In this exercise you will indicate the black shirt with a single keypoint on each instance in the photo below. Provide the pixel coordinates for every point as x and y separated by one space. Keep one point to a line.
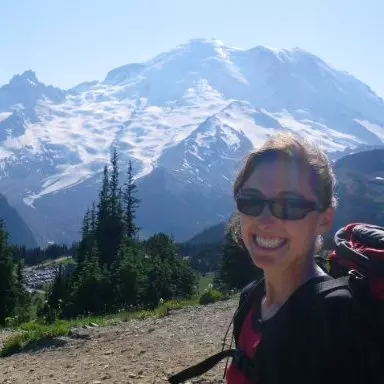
315 339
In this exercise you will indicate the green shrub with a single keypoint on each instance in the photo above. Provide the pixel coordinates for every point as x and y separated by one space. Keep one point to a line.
210 296
12 321
13 344
33 333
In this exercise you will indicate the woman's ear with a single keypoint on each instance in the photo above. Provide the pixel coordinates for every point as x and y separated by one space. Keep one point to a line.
325 220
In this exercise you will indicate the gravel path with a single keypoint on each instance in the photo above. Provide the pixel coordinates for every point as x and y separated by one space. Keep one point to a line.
140 351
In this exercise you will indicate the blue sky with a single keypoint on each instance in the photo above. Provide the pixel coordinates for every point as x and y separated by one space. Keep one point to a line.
67 42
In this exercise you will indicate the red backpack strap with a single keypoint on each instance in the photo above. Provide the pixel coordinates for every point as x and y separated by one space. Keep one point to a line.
248 297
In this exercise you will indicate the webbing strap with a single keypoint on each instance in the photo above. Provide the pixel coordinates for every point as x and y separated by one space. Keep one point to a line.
327 286
202 367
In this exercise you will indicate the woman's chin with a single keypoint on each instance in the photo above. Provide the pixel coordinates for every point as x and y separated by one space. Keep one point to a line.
268 260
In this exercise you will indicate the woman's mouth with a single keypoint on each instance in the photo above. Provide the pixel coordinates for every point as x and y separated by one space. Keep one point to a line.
269 243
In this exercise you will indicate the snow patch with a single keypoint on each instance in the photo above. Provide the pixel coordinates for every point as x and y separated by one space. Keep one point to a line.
4 115
72 176
374 128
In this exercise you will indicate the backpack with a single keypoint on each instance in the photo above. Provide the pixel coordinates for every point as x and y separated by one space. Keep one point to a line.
358 259
356 263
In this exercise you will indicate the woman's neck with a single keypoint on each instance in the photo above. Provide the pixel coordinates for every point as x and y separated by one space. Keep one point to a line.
280 284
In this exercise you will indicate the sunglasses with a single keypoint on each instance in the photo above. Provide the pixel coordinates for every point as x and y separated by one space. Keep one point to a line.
289 208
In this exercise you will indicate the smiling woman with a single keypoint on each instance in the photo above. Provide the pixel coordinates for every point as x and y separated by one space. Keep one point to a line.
297 324
295 181
285 201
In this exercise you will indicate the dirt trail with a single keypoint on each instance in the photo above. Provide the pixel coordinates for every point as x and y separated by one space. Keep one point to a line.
140 351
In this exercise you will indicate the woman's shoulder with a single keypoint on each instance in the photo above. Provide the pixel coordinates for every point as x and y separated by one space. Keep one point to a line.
339 337
335 300
331 319
334 307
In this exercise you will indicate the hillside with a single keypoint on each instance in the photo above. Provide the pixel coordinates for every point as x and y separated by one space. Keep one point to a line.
18 231
360 189
213 234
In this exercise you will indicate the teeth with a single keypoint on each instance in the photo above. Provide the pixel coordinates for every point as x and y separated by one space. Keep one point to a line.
269 242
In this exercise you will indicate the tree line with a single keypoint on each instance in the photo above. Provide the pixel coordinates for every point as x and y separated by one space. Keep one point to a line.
116 270
38 255
14 298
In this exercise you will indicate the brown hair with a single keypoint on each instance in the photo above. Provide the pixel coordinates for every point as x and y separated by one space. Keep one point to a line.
289 147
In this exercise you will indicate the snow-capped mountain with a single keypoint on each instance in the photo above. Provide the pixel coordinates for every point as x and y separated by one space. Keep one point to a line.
186 118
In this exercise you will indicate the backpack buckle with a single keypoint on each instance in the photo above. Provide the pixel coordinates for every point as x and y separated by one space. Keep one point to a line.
237 356
239 359
356 274
246 365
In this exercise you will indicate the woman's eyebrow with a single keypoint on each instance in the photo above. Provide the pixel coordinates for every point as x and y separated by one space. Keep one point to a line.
287 193
290 193
252 191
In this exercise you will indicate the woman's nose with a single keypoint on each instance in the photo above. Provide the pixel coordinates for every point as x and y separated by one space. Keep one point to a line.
266 217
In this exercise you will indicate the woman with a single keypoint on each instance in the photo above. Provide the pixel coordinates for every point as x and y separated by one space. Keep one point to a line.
285 199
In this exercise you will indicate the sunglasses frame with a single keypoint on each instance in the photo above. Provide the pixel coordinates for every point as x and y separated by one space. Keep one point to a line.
308 206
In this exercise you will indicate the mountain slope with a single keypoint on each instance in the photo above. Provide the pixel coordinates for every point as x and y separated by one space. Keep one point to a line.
212 235
186 118
26 90
18 231
360 188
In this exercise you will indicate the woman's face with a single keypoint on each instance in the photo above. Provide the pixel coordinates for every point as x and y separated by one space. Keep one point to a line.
273 242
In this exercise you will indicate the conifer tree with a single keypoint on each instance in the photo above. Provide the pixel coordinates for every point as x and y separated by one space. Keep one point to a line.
116 221
169 276
86 224
86 292
128 276
8 291
20 283
93 218
236 268
58 289
23 297
116 270
84 242
114 183
103 219
19 272
131 203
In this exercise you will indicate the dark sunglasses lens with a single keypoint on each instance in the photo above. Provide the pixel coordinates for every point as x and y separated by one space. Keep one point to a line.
290 209
249 206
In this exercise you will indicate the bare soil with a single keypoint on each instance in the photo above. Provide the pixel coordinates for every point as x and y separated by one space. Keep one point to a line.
139 351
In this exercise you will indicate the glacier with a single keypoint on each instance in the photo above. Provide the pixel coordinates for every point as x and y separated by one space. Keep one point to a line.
186 118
